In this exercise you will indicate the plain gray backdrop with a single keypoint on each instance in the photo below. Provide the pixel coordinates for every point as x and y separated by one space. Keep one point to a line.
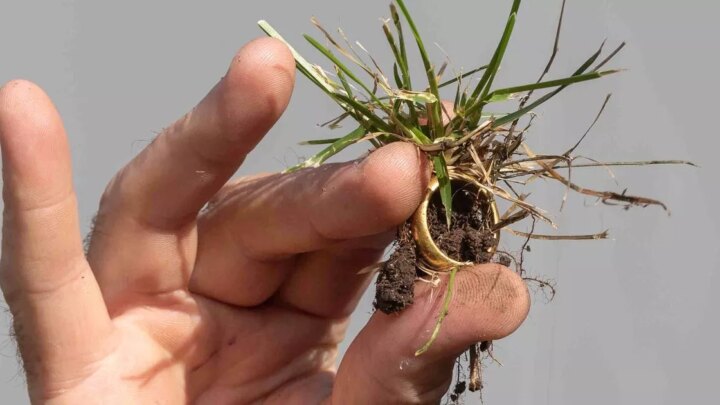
635 319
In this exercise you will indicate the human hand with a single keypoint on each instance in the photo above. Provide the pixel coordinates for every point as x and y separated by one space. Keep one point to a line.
242 302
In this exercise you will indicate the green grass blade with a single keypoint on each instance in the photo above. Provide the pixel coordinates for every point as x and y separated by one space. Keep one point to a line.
489 75
609 57
443 313
396 75
589 61
411 132
403 60
552 83
344 82
365 112
309 71
328 54
305 67
494 65
492 98
441 171
519 113
478 96
420 136
335 148
434 113
458 94
319 141
475 102
507 93
462 76
404 76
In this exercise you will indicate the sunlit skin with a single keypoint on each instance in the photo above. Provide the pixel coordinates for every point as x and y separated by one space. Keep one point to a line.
244 301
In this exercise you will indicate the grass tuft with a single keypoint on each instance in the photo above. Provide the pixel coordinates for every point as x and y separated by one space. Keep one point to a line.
487 148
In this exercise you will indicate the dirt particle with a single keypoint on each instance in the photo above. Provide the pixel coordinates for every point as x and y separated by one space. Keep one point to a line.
504 259
394 286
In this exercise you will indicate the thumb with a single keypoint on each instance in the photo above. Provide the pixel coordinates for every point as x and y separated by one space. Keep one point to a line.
489 303
59 315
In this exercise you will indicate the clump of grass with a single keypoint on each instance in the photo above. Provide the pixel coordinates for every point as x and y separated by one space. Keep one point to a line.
488 150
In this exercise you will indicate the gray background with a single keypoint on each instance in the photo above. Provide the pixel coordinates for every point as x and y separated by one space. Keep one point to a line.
634 320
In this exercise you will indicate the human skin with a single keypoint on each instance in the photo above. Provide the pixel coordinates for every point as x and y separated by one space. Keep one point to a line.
243 301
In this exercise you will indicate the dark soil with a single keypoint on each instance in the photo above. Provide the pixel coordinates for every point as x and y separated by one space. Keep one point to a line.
458 390
469 237
467 240
394 286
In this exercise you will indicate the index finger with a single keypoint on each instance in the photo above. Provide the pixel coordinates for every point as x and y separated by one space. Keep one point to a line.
150 206
167 184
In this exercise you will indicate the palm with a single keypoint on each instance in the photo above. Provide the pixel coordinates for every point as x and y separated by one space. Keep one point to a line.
241 302
188 347
224 356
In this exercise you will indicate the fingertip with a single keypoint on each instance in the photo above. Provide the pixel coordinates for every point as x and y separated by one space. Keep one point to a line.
489 302
23 103
18 86
270 51
246 103
394 179
266 60
500 295
265 70
36 161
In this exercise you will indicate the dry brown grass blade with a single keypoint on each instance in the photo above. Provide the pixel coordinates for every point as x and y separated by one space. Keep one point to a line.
446 144
475 377
531 163
553 54
335 122
517 217
513 208
509 174
532 235
604 196
479 164
353 57
607 196
592 125
501 193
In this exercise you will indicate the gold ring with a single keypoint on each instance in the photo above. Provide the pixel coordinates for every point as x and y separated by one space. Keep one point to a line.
430 252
